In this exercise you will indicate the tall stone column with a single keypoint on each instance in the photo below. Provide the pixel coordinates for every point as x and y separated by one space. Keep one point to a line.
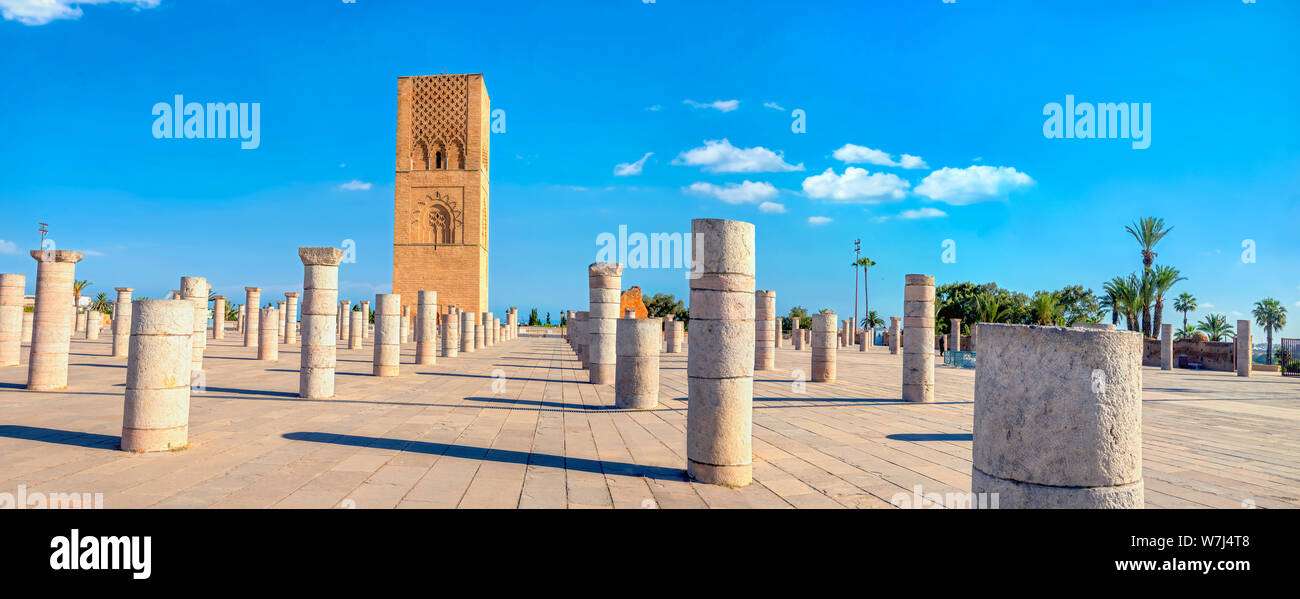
426 328
451 334
268 343
195 290
253 299
893 335
122 322
487 328
388 330
219 317
796 333
568 326
242 323
354 331
320 297
47 365
346 311
604 280
720 359
823 347
667 330
764 346
156 404
1166 347
1058 418
365 319
776 325
636 368
1244 354
291 317
467 332
13 287
282 309
954 334
918 339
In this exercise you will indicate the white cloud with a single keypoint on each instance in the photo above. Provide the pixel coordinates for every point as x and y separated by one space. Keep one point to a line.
818 221
93 253
722 157
972 184
748 192
855 154
922 213
40 12
355 185
718 105
771 208
8 247
909 161
1207 305
631 168
655 108
856 185
773 106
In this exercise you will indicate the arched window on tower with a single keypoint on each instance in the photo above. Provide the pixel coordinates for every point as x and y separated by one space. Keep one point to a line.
420 157
437 160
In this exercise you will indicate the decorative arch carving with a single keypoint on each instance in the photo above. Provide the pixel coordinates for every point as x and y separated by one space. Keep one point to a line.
437 218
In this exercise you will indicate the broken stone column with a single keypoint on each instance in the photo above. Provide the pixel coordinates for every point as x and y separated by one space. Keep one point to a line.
451 334
268 342
156 406
720 359
467 332
604 280
1244 344
13 287
893 334
1166 347
253 299
122 322
320 297
1058 417
354 331
636 369
954 334
195 290
918 342
764 346
218 317
426 328
47 364
823 347
388 328
291 317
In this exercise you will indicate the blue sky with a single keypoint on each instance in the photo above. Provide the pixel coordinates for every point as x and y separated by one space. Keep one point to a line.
589 86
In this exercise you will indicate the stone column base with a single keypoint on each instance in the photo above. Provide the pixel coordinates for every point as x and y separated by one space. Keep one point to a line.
1017 495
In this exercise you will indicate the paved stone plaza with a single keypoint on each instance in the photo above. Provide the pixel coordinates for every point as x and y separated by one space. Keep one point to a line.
516 425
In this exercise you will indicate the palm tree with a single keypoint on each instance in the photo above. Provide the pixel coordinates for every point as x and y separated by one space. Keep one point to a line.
1128 298
1148 232
77 287
872 321
1162 279
1146 297
1270 314
101 304
865 263
1215 326
989 309
1185 333
1043 308
1185 303
232 312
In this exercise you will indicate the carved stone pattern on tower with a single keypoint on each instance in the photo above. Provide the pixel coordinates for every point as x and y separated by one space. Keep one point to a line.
439 115
437 218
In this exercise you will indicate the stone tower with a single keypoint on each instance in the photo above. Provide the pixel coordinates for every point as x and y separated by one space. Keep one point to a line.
440 208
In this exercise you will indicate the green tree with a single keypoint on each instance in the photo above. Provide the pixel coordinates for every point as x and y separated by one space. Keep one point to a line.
989 309
101 304
548 319
1148 232
1185 333
532 318
871 321
77 287
1215 326
1271 315
665 304
1185 303
799 312
1045 310
865 263
1162 279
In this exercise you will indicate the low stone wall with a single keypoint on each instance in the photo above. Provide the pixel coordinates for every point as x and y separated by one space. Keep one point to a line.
1213 355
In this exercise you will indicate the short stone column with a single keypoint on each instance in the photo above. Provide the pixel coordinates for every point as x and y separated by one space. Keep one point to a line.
676 335
346 311
13 287
480 331
954 334
796 333
47 364
580 338
354 331
764 346
122 322
486 325
1058 418
893 334
291 317
1166 347
81 320
195 289
1244 354
94 320
268 342
320 297
426 328
720 359
636 368
451 335
156 406
218 317
604 281
823 347
496 331
388 330
467 332
252 300
918 342
867 339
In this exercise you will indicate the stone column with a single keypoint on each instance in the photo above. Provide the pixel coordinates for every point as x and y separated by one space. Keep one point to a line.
893 335
365 319
776 325
281 309
426 328
268 343
291 317
676 334
195 290
122 322
156 406
580 339
320 296
974 334
823 347
486 325
12 289
354 331
47 364
346 311
954 334
451 334
219 317
94 320
403 329
1166 347
918 342
81 319
28 320
764 346
467 332
243 318
1243 348
496 331
388 330
796 333
720 359
1058 418
604 281
252 300
636 368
